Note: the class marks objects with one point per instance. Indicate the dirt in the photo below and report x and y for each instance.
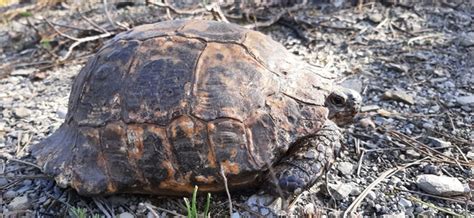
(412, 63)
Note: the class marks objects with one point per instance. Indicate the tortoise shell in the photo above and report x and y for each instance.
(167, 106)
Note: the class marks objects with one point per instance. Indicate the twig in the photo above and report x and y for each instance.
(388, 173)
(107, 13)
(94, 24)
(437, 197)
(177, 11)
(151, 210)
(11, 158)
(82, 40)
(277, 17)
(149, 206)
(433, 35)
(434, 206)
(360, 162)
(227, 191)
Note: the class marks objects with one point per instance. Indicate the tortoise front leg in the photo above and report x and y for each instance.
(301, 168)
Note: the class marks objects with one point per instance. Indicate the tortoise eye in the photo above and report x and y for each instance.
(337, 100)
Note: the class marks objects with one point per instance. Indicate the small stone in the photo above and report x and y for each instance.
(19, 203)
(367, 122)
(470, 155)
(235, 215)
(440, 185)
(346, 168)
(309, 209)
(399, 96)
(340, 191)
(466, 39)
(376, 17)
(412, 153)
(126, 215)
(405, 203)
(264, 211)
(3, 182)
(395, 215)
(21, 112)
(465, 100)
(367, 108)
(439, 143)
(371, 195)
(9, 194)
(61, 112)
(22, 72)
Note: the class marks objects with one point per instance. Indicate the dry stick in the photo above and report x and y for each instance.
(151, 210)
(178, 11)
(277, 17)
(360, 162)
(227, 191)
(151, 207)
(99, 204)
(11, 158)
(109, 18)
(402, 136)
(82, 40)
(355, 204)
(94, 24)
(434, 206)
(437, 197)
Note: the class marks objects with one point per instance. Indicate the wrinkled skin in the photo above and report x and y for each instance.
(167, 106)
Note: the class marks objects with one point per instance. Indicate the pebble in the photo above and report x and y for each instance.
(466, 39)
(9, 194)
(3, 182)
(21, 112)
(371, 195)
(405, 203)
(399, 96)
(235, 215)
(412, 153)
(340, 191)
(367, 108)
(346, 168)
(126, 215)
(376, 17)
(19, 203)
(465, 100)
(436, 142)
(440, 185)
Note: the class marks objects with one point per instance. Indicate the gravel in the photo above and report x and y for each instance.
(412, 64)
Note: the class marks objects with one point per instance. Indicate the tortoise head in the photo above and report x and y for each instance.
(343, 104)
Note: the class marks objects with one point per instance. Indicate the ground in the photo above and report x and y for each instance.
(413, 65)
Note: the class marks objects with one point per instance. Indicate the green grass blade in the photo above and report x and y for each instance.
(193, 202)
(188, 207)
(208, 203)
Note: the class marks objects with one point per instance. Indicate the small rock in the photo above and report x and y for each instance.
(405, 203)
(19, 203)
(340, 191)
(470, 155)
(61, 112)
(367, 122)
(465, 100)
(367, 108)
(375, 17)
(235, 215)
(440, 185)
(397, 67)
(399, 96)
(9, 194)
(3, 182)
(412, 153)
(309, 210)
(346, 168)
(21, 112)
(439, 143)
(371, 195)
(126, 215)
(395, 215)
(22, 72)
(431, 169)
(466, 39)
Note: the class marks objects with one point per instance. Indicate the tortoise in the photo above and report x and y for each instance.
(164, 107)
